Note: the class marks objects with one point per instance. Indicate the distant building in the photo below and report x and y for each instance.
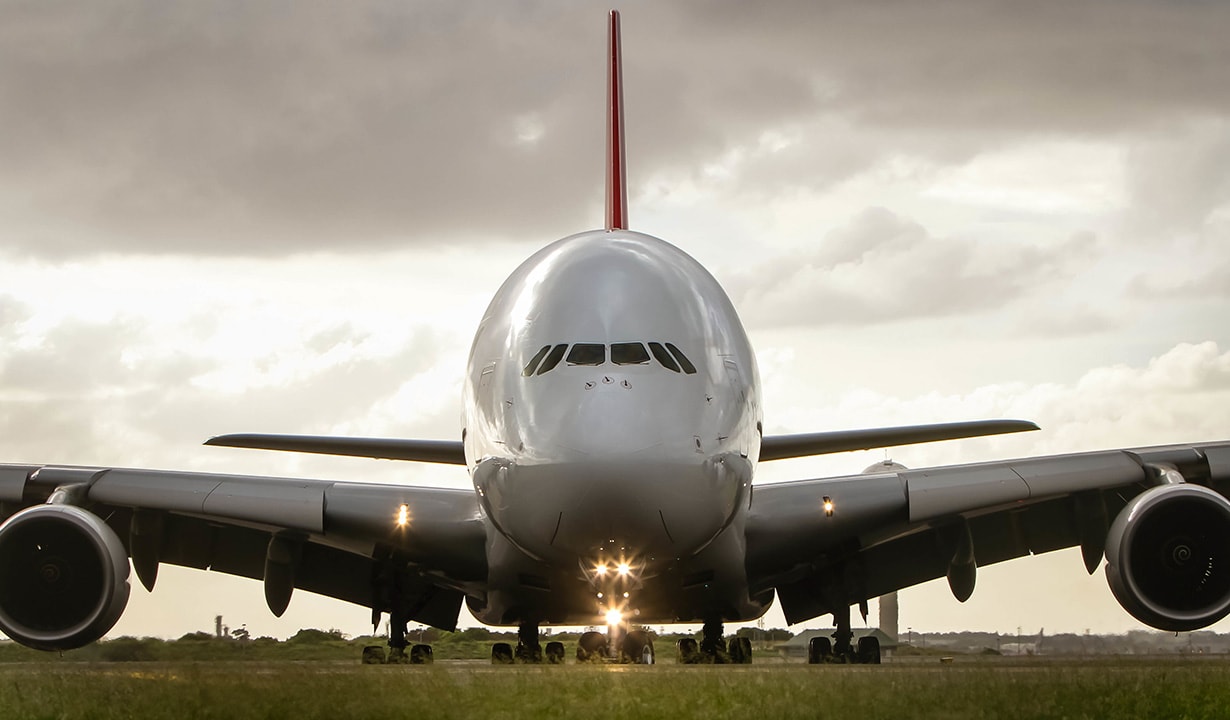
(888, 615)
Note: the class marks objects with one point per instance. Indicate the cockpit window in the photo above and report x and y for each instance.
(553, 358)
(629, 354)
(533, 363)
(660, 354)
(684, 363)
(549, 357)
(587, 354)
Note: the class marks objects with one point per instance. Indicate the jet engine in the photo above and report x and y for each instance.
(63, 577)
(1168, 557)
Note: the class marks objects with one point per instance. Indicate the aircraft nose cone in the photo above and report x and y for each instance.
(565, 511)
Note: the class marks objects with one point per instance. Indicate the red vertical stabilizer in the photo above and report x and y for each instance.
(616, 179)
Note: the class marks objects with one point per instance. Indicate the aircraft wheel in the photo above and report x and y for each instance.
(501, 654)
(633, 648)
(373, 655)
(688, 652)
(555, 652)
(819, 650)
(421, 655)
(740, 651)
(591, 647)
(869, 650)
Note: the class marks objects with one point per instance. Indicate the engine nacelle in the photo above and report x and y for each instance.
(63, 577)
(1168, 557)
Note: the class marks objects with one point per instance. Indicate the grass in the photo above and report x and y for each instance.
(1159, 688)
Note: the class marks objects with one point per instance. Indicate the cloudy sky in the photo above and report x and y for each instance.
(288, 217)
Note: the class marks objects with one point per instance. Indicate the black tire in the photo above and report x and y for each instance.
(555, 652)
(632, 650)
(869, 650)
(373, 655)
(740, 651)
(501, 654)
(591, 647)
(688, 652)
(819, 650)
(421, 655)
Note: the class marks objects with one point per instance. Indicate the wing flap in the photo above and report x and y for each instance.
(448, 452)
(780, 447)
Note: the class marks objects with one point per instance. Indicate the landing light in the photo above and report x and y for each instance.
(623, 569)
(403, 515)
(600, 569)
(614, 617)
(828, 506)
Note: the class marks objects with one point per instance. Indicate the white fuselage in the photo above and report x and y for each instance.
(612, 414)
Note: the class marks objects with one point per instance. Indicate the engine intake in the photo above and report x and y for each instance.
(1168, 557)
(63, 577)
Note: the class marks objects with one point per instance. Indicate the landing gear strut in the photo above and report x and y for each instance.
(528, 650)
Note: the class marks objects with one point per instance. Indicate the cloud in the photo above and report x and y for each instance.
(1179, 396)
(225, 129)
(122, 392)
(1180, 177)
(884, 268)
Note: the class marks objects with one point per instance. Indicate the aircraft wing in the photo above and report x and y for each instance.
(780, 447)
(343, 540)
(826, 544)
(449, 452)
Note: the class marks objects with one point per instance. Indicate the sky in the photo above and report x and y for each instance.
(278, 216)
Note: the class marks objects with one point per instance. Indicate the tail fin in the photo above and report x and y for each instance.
(616, 180)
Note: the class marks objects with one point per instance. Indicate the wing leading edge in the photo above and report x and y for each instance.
(448, 452)
(780, 447)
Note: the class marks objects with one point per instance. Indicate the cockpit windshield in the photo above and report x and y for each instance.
(587, 354)
(667, 355)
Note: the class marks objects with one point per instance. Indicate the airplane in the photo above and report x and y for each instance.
(612, 426)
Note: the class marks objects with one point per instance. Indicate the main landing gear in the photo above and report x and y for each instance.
(713, 650)
(419, 654)
(842, 649)
(529, 650)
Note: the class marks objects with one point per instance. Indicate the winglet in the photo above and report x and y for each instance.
(616, 180)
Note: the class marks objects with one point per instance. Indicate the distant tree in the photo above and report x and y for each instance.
(770, 635)
(478, 634)
(128, 649)
(312, 635)
(196, 637)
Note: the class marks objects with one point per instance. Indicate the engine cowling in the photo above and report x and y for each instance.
(1168, 557)
(63, 577)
